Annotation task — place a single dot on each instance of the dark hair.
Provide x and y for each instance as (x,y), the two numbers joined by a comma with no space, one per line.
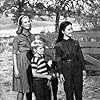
(20,28)
(62,27)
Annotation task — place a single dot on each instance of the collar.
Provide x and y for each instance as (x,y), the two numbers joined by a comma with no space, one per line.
(38,55)
(25,32)
(70,39)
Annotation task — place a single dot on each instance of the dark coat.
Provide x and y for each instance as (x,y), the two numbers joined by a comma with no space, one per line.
(69,49)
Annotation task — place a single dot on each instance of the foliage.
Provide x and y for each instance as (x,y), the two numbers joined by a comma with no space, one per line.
(85,12)
(88,14)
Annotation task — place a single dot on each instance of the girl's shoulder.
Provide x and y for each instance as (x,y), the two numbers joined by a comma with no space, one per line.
(59,44)
(16,38)
(21,37)
(76,42)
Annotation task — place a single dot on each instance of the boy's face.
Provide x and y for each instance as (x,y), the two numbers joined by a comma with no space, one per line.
(40,50)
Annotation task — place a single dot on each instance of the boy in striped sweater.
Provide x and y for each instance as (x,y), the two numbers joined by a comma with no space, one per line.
(40,72)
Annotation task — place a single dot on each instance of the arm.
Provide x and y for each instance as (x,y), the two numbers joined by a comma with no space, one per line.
(58,58)
(15,50)
(31,37)
(81,58)
(34,66)
(35,74)
(15,66)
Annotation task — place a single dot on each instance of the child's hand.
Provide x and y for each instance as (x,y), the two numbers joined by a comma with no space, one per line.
(16,73)
(50,63)
(57,74)
(49,77)
(61,79)
(84,74)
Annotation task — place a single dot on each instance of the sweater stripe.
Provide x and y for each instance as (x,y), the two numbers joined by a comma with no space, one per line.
(40,61)
(40,65)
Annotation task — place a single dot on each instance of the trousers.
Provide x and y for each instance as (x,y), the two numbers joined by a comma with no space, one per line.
(73,84)
(41,89)
(54,83)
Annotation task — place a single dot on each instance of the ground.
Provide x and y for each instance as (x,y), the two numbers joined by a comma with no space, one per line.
(91,85)
(91,90)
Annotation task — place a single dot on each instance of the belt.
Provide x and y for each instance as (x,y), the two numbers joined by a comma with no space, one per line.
(68,60)
(40,79)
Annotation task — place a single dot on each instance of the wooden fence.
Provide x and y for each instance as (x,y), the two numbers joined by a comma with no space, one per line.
(90,45)
(89,42)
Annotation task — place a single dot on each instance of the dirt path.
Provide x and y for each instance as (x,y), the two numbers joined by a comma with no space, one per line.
(91,90)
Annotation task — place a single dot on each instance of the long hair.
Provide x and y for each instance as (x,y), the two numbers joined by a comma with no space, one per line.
(62,27)
(20,28)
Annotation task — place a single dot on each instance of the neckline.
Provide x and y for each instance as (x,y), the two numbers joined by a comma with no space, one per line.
(25,33)
(39,55)
(67,39)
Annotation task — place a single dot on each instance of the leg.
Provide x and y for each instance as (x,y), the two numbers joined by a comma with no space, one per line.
(55,88)
(68,87)
(39,93)
(29,96)
(78,86)
(42,91)
(20,96)
(47,92)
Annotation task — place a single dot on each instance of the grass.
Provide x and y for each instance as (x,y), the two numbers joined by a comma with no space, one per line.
(7,23)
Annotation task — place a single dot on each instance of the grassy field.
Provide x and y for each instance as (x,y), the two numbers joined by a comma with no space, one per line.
(91,89)
(8,28)
(7,23)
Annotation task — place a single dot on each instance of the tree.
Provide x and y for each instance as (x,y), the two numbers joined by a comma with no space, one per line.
(27,7)
(13,6)
(85,12)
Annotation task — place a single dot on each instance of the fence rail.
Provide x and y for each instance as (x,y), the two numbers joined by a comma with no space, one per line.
(89,42)
(90,45)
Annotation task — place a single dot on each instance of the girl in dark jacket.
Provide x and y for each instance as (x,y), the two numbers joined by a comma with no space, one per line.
(70,62)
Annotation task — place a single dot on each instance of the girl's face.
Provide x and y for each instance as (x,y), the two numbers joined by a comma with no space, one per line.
(26,23)
(68,30)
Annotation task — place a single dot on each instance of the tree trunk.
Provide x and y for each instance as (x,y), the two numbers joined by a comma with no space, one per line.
(21,5)
(57,22)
